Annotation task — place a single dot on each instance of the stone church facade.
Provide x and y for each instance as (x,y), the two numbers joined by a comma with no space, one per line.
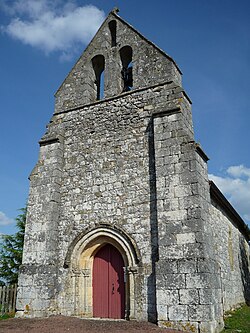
(122,219)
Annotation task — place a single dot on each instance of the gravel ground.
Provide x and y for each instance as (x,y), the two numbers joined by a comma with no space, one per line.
(61,324)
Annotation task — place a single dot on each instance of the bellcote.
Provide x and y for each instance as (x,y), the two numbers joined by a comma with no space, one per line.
(117,60)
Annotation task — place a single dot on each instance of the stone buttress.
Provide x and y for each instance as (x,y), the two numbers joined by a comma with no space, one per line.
(119,164)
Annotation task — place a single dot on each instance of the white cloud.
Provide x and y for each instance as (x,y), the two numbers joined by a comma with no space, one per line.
(52,25)
(235,184)
(239,171)
(5,220)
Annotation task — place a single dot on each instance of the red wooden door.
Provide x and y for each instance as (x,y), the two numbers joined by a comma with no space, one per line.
(108,284)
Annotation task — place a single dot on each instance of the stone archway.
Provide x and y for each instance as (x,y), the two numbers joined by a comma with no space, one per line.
(80,259)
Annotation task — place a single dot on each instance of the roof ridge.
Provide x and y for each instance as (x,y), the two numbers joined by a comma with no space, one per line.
(145,38)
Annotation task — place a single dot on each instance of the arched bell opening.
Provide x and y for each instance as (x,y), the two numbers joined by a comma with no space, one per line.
(126,54)
(98,63)
(100,245)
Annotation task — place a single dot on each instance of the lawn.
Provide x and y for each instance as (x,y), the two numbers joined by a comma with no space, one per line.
(238,321)
(7,316)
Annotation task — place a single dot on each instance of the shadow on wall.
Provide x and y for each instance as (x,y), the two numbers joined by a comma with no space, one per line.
(244,268)
(151,285)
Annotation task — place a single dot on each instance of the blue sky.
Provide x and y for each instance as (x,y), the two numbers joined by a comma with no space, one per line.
(40,40)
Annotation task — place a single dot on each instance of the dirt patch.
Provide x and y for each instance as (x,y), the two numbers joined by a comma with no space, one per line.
(61,324)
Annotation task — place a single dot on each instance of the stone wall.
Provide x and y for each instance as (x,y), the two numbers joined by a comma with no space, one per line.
(232,252)
(131,163)
(94,164)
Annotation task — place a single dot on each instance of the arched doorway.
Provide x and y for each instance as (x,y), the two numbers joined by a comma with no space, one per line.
(108,283)
(80,261)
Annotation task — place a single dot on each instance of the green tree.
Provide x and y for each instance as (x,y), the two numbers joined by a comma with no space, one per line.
(11,250)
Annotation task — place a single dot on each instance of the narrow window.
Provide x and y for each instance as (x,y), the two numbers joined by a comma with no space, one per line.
(127,67)
(98,63)
(112,28)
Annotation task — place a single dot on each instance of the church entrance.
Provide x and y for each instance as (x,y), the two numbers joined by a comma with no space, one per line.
(108,283)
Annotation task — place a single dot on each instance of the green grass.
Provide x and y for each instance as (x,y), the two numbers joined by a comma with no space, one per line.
(7,316)
(238,321)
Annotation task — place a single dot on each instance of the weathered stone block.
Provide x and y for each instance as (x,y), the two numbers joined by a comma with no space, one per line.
(171,227)
(206,265)
(193,250)
(166,266)
(162,311)
(167,239)
(178,312)
(200,312)
(187,266)
(167,297)
(171,281)
(185,238)
(201,280)
(171,252)
(185,326)
(211,326)
(189,296)
(174,215)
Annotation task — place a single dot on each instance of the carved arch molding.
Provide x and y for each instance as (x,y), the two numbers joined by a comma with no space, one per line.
(80,258)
